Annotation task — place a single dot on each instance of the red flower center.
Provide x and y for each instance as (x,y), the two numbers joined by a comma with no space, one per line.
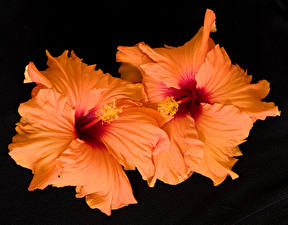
(189,98)
(89,128)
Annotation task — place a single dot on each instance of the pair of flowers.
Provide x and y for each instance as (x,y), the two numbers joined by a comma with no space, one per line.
(176,110)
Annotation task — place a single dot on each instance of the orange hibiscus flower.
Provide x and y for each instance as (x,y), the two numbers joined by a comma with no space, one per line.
(80,126)
(210,102)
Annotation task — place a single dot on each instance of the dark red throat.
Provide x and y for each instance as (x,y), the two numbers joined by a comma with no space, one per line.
(89,128)
(190,99)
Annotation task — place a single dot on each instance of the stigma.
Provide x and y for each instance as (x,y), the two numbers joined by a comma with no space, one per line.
(168,107)
(109,112)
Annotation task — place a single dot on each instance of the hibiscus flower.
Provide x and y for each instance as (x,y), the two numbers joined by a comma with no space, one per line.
(210,102)
(80,126)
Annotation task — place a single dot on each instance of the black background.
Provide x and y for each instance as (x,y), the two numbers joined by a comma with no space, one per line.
(255,36)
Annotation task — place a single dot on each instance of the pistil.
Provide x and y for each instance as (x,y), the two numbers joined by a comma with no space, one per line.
(82,128)
(108,113)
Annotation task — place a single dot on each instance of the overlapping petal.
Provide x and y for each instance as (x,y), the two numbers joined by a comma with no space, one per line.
(44,131)
(134,137)
(186,150)
(131,58)
(171,65)
(97,175)
(229,85)
(222,129)
(130,73)
(84,86)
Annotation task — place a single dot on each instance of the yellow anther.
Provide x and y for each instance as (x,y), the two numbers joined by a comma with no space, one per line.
(168,107)
(109,112)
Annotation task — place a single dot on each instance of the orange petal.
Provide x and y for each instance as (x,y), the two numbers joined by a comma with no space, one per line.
(118,89)
(97,175)
(169,167)
(236,151)
(37,88)
(132,55)
(130,73)
(156,90)
(201,43)
(44,131)
(222,129)
(186,150)
(166,67)
(32,74)
(84,86)
(131,58)
(173,66)
(229,85)
(134,137)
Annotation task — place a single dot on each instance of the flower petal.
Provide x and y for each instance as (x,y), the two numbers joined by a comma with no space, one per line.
(130,73)
(118,89)
(97,175)
(44,131)
(175,66)
(84,86)
(132,55)
(229,85)
(134,137)
(186,150)
(32,74)
(132,58)
(222,129)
